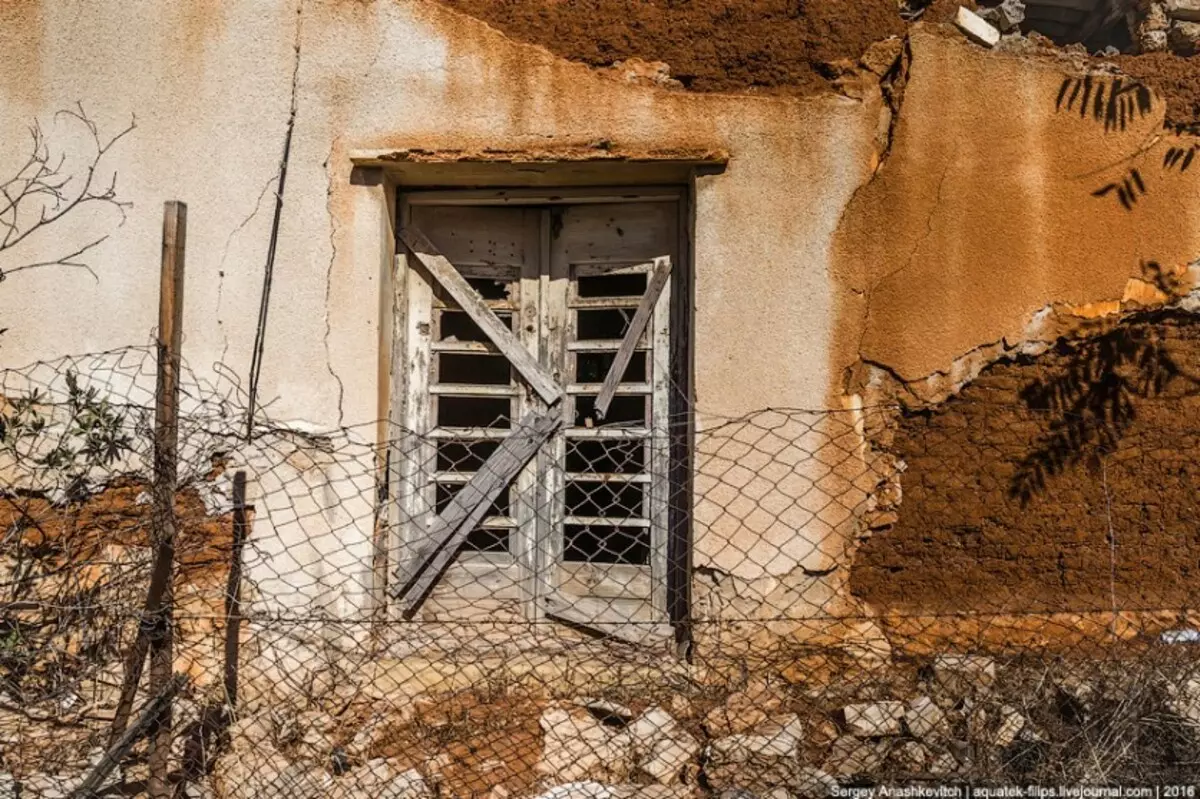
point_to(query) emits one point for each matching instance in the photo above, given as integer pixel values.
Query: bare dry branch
(43, 191)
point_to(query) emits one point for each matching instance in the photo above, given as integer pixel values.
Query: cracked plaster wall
(805, 258)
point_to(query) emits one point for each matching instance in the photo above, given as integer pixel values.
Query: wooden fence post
(157, 621)
(233, 596)
(166, 446)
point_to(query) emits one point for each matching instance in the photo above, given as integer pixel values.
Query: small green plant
(94, 434)
(56, 447)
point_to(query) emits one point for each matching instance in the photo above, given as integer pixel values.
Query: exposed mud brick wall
(1011, 505)
(1176, 78)
(710, 45)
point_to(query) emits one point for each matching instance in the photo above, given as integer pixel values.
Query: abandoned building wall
(1016, 504)
(996, 188)
(839, 234)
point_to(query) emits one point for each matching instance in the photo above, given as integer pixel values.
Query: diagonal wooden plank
(658, 279)
(471, 503)
(469, 300)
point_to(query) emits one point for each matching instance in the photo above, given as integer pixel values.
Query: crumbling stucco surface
(991, 184)
(1002, 515)
(835, 234)
(707, 45)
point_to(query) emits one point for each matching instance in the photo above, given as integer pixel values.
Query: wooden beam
(155, 630)
(119, 748)
(590, 613)
(472, 502)
(658, 279)
(469, 300)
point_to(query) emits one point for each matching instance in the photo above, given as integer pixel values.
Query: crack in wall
(333, 233)
(225, 257)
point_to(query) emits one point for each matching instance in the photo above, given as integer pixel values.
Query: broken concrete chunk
(1184, 38)
(849, 757)
(924, 718)
(773, 740)
(1011, 724)
(606, 710)
(810, 781)
(661, 747)
(872, 719)
(911, 757)
(576, 746)
(1186, 10)
(960, 675)
(976, 27)
(1006, 16)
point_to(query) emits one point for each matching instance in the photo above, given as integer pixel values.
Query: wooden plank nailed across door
(472, 502)
(469, 300)
(658, 279)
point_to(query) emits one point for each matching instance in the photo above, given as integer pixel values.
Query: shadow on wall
(1065, 482)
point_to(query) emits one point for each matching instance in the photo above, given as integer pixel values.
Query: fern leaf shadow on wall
(1115, 102)
(1180, 157)
(1128, 189)
(1092, 401)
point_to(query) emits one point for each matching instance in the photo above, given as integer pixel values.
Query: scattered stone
(961, 675)
(850, 756)
(577, 746)
(1153, 41)
(976, 27)
(1184, 38)
(651, 792)
(1011, 724)
(1183, 699)
(737, 793)
(1006, 16)
(46, 786)
(873, 719)
(924, 718)
(378, 779)
(8, 786)
(579, 790)
(607, 711)
(1186, 10)
(268, 776)
(661, 747)
(912, 757)
(880, 57)
(744, 710)
(943, 764)
(779, 739)
(811, 781)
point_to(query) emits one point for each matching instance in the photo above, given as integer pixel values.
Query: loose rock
(661, 747)
(849, 757)
(961, 675)
(1011, 724)
(576, 746)
(774, 740)
(1006, 16)
(873, 719)
(1187, 10)
(976, 27)
(924, 718)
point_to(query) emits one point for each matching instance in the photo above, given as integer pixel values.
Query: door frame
(681, 426)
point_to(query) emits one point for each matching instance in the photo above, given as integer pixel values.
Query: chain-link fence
(995, 590)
